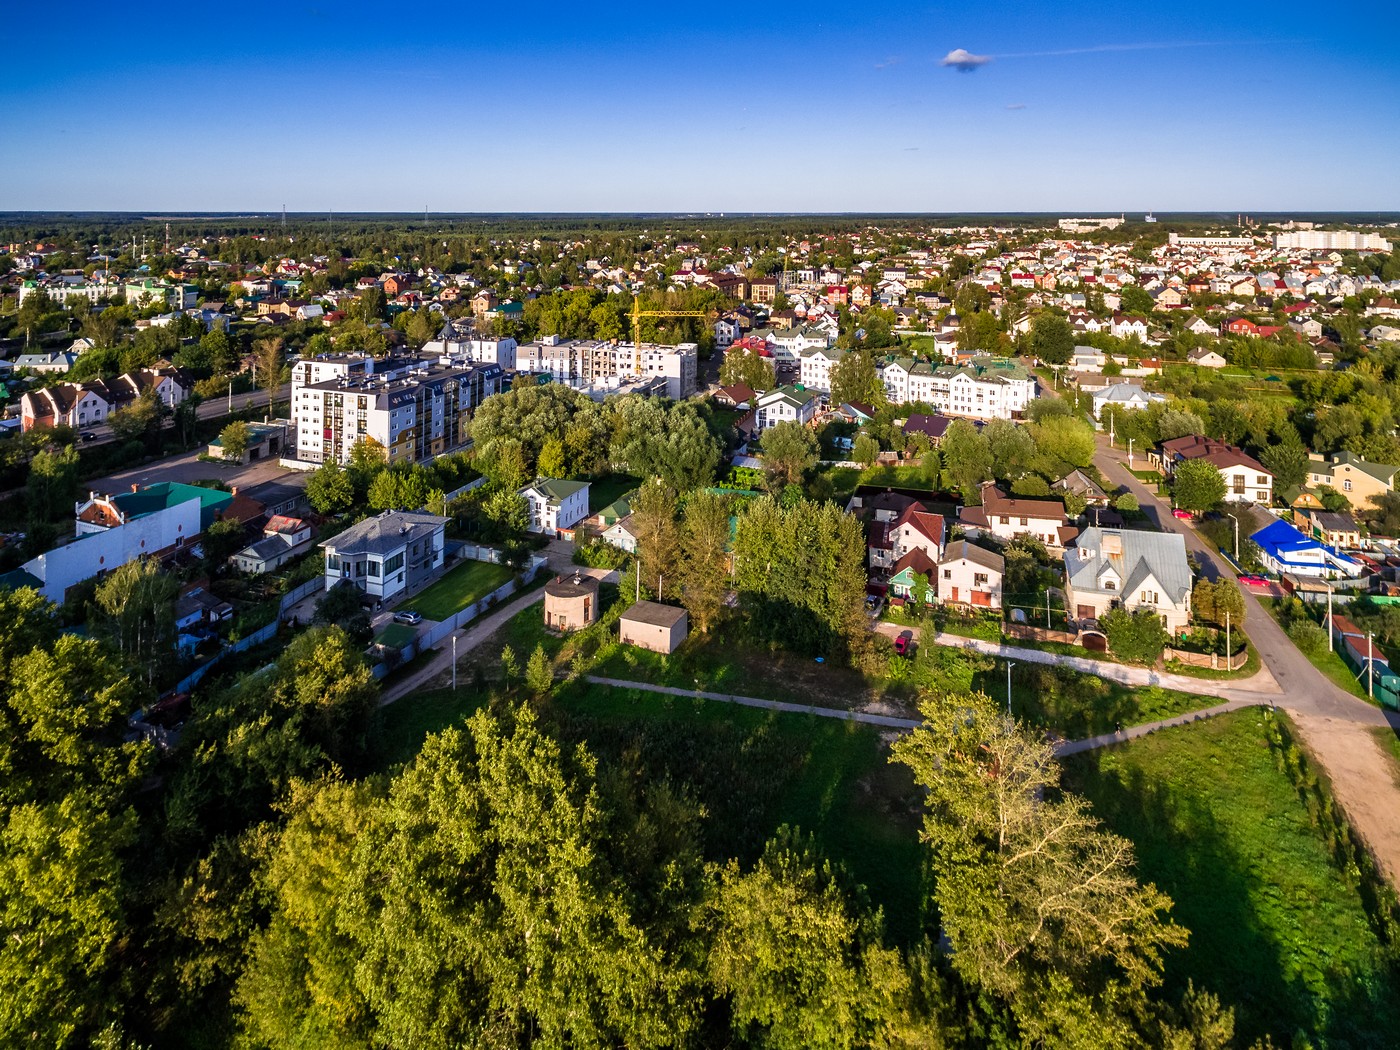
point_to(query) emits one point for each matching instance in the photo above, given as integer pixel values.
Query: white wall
(83, 559)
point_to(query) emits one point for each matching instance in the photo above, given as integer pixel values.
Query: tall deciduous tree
(855, 379)
(1052, 340)
(967, 458)
(234, 440)
(329, 489)
(1040, 903)
(749, 368)
(704, 561)
(658, 535)
(1197, 486)
(790, 449)
(137, 605)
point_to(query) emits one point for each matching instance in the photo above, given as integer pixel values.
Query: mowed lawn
(1276, 930)
(458, 589)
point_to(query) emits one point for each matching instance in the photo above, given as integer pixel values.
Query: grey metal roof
(654, 613)
(1160, 555)
(384, 533)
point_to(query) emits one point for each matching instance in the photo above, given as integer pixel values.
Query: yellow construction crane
(638, 313)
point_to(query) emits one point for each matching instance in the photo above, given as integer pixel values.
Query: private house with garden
(283, 539)
(555, 505)
(970, 576)
(1128, 569)
(388, 554)
(1124, 397)
(1359, 480)
(905, 574)
(1246, 479)
(1005, 518)
(784, 404)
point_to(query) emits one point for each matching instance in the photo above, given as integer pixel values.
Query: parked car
(88, 435)
(409, 617)
(902, 645)
(1253, 579)
(1184, 515)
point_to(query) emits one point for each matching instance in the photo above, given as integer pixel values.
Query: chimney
(233, 491)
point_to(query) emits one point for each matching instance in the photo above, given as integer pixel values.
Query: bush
(1308, 637)
(600, 555)
(1127, 503)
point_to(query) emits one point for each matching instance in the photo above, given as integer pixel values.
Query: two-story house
(784, 404)
(1359, 480)
(971, 576)
(1246, 479)
(555, 504)
(1129, 569)
(386, 554)
(1006, 518)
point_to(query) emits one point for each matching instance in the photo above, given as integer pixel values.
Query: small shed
(651, 625)
(570, 602)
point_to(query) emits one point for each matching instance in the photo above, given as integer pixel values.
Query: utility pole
(454, 661)
(1237, 537)
(1329, 619)
(230, 396)
(1047, 608)
(1009, 666)
(1228, 650)
(1130, 453)
(1112, 433)
(1370, 665)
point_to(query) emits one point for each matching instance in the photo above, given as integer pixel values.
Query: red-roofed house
(1246, 479)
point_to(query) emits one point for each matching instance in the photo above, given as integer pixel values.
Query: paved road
(1339, 729)
(213, 408)
(188, 467)
(1075, 747)
(474, 634)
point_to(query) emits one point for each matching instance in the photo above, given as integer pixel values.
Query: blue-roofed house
(1283, 549)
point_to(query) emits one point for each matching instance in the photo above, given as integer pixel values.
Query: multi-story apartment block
(984, 388)
(817, 364)
(584, 363)
(415, 409)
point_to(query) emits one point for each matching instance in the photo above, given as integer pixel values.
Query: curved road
(1338, 728)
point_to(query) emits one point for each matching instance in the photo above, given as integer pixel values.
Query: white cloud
(964, 61)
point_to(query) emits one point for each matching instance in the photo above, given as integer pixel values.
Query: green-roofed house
(784, 404)
(615, 511)
(555, 506)
(1359, 480)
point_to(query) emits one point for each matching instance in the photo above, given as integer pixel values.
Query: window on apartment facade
(374, 568)
(1346, 485)
(394, 564)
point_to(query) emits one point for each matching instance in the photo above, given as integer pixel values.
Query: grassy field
(1276, 930)
(458, 589)
(754, 771)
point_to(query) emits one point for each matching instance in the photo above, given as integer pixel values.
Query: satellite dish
(1018, 615)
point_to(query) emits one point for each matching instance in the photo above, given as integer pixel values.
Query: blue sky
(781, 106)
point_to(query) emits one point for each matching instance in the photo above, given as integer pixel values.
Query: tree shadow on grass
(1219, 894)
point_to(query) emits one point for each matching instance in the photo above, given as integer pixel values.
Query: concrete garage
(650, 625)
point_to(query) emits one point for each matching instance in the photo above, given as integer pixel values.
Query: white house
(555, 504)
(970, 575)
(783, 404)
(1006, 518)
(817, 363)
(1123, 396)
(1129, 569)
(387, 554)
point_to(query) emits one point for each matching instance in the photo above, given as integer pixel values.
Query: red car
(1250, 579)
(901, 645)
(1184, 515)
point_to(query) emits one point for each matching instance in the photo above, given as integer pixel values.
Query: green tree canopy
(1197, 486)
(790, 449)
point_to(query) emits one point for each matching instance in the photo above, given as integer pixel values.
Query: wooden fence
(1211, 660)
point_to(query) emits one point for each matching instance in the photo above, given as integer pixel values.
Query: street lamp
(1009, 666)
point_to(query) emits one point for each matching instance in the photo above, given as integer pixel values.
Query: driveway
(188, 468)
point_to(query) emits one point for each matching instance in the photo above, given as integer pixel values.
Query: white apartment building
(1332, 241)
(583, 362)
(456, 350)
(555, 504)
(985, 388)
(817, 364)
(415, 409)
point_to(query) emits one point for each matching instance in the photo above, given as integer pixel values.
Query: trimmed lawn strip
(459, 588)
(1276, 930)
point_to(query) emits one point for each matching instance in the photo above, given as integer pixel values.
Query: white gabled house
(783, 404)
(555, 504)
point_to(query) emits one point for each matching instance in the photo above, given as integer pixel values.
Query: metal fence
(262, 634)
